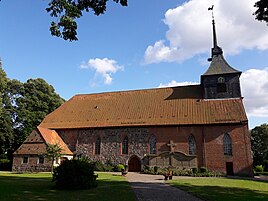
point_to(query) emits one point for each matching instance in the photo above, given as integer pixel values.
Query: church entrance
(229, 168)
(134, 164)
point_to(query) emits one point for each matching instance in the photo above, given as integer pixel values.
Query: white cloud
(104, 67)
(190, 30)
(174, 83)
(254, 84)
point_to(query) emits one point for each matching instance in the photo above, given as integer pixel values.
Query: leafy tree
(34, 100)
(23, 107)
(53, 152)
(67, 11)
(259, 144)
(6, 131)
(262, 10)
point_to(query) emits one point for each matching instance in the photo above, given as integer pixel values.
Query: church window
(227, 143)
(192, 145)
(152, 142)
(125, 146)
(97, 146)
(25, 159)
(41, 160)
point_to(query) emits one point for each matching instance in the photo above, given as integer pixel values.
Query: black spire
(216, 50)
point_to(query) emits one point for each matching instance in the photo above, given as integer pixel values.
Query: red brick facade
(209, 144)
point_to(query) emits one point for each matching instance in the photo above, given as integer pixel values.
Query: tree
(67, 11)
(262, 10)
(6, 131)
(259, 144)
(34, 100)
(53, 152)
(23, 107)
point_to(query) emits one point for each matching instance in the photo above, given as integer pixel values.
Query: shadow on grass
(220, 193)
(19, 187)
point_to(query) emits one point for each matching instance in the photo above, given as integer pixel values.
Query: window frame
(227, 145)
(98, 146)
(191, 145)
(152, 145)
(42, 161)
(125, 146)
(25, 161)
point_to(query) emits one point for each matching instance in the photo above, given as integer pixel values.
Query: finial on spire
(216, 50)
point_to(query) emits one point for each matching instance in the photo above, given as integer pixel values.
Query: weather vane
(211, 8)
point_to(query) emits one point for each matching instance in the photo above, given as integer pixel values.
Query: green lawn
(224, 189)
(39, 187)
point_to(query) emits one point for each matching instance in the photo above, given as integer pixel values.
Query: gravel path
(153, 188)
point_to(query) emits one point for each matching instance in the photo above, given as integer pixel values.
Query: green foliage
(194, 172)
(203, 169)
(68, 11)
(259, 144)
(259, 168)
(75, 174)
(23, 107)
(5, 165)
(53, 151)
(99, 166)
(262, 10)
(119, 168)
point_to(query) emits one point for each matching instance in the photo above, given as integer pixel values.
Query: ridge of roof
(137, 90)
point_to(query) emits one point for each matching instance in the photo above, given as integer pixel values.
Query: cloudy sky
(152, 43)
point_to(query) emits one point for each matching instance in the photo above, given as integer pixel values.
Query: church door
(134, 164)
(229, 168)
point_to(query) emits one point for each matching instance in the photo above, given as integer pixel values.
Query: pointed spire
(218, 64)
(216, 50)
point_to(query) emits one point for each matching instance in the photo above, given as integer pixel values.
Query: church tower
(220, 80)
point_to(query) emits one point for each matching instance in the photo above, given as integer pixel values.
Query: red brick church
(182, 127)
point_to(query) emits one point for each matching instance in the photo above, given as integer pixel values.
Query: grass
(39, 187)
(222, 189)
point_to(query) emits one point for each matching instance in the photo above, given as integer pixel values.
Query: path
(153, 188)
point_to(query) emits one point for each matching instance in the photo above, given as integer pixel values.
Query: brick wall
(210, 154)
(33, 164)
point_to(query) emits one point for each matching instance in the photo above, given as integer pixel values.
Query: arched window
(221, 85)
(152, 142)
(227, 144)
(97, 146)
(125, 146)
(192, 145)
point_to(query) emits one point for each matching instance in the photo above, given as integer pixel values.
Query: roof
(220, 66)
(151, 107)
(37, 140)
(52, 137)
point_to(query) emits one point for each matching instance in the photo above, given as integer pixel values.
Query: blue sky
(148, 44)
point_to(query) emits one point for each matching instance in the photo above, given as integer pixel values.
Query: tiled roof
(162, 106)
(35, 142)
(52, 137)
(220, 66)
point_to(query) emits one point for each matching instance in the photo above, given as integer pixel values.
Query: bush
(119, 168)
(75, 174)
(99, 166)
(203, 170)
(259, 168)
(5, 165)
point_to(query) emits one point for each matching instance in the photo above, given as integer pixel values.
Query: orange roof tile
(162, 106)
(35, 142)
(52, 137)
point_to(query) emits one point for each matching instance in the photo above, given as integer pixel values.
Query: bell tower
(220, 80)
